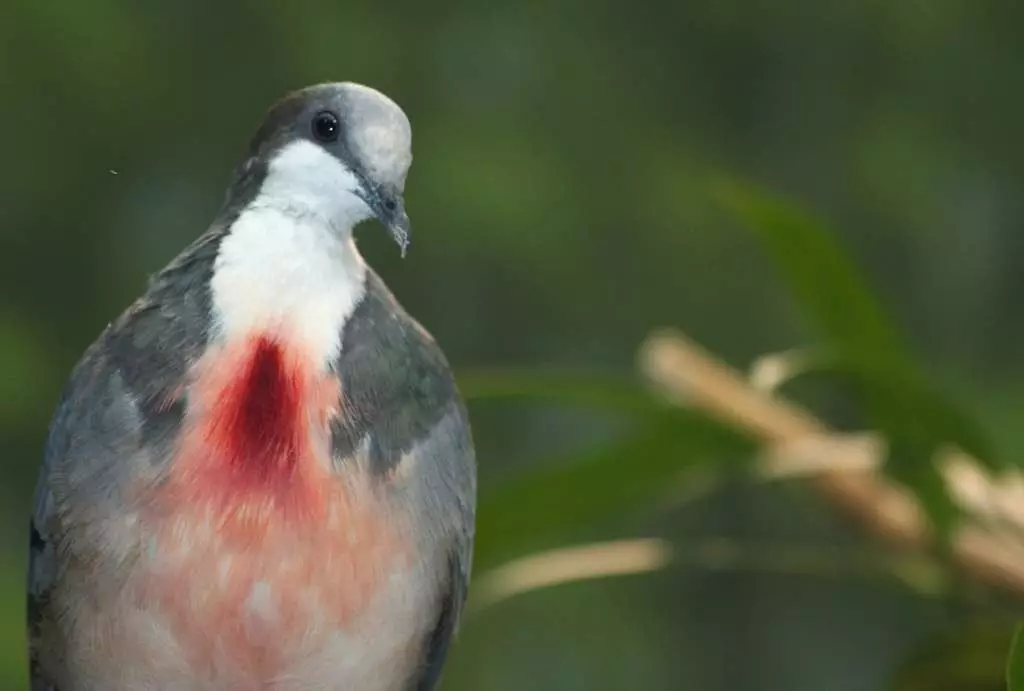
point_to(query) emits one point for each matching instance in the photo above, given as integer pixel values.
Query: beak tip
(400, 234)
(393, 216)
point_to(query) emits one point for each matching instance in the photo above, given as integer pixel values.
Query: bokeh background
(560, 198)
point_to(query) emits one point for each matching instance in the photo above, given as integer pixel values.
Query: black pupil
(389, 204)
(325, 127)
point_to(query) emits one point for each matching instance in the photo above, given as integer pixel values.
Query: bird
(261, 475)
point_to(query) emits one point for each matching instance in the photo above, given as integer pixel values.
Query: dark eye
(325, 126)
(389, 204)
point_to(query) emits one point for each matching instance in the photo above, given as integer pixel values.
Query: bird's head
(339, 151)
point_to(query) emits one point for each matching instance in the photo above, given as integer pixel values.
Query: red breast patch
(262, 546)
(258, 428)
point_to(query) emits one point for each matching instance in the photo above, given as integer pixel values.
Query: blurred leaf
(972, 658)
(566, 494)
(590, 390)
(1015, 662)
(819, 274)
(918, 422)
(913, 465)
(906, 405)
(864, 348)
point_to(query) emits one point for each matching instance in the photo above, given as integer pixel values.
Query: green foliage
(1015, 662)
(565, 494)
(863, 348)
(819, 274)
(970, 658)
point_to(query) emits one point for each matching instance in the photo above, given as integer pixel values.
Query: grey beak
(389, 207)
(398, 225)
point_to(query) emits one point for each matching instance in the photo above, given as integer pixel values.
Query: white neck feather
(289, 263)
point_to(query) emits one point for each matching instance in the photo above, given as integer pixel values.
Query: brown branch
(989, 544)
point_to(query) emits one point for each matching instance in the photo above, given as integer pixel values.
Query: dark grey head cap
(361, 127)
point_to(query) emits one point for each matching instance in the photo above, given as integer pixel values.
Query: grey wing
(41, 578)
(443, 479)
(118, 405)
(102, 433)
(43, 562)
(451, 481)
(403, 405)
(436, 649)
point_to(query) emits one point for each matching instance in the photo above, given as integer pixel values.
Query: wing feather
(401, 404)
(113, 411)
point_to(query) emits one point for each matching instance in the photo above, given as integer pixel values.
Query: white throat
(289, 264)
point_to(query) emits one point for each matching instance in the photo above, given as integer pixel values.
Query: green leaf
(818, 274)
(545, 505)
(863, 346)
(913, 465)
(1015, 662)
(578, 389)
(971, 658)
(566, 494)
(908, 407)
(917, 421)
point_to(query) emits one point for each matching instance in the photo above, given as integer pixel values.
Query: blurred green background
(564, 155)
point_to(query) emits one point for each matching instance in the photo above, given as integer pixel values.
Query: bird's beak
(389, 206)
(400, 228)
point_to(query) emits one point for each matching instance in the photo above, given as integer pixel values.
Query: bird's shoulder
(131, 371)
(396, 383)
(402, 405)
(121, 394)
(119, 400)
